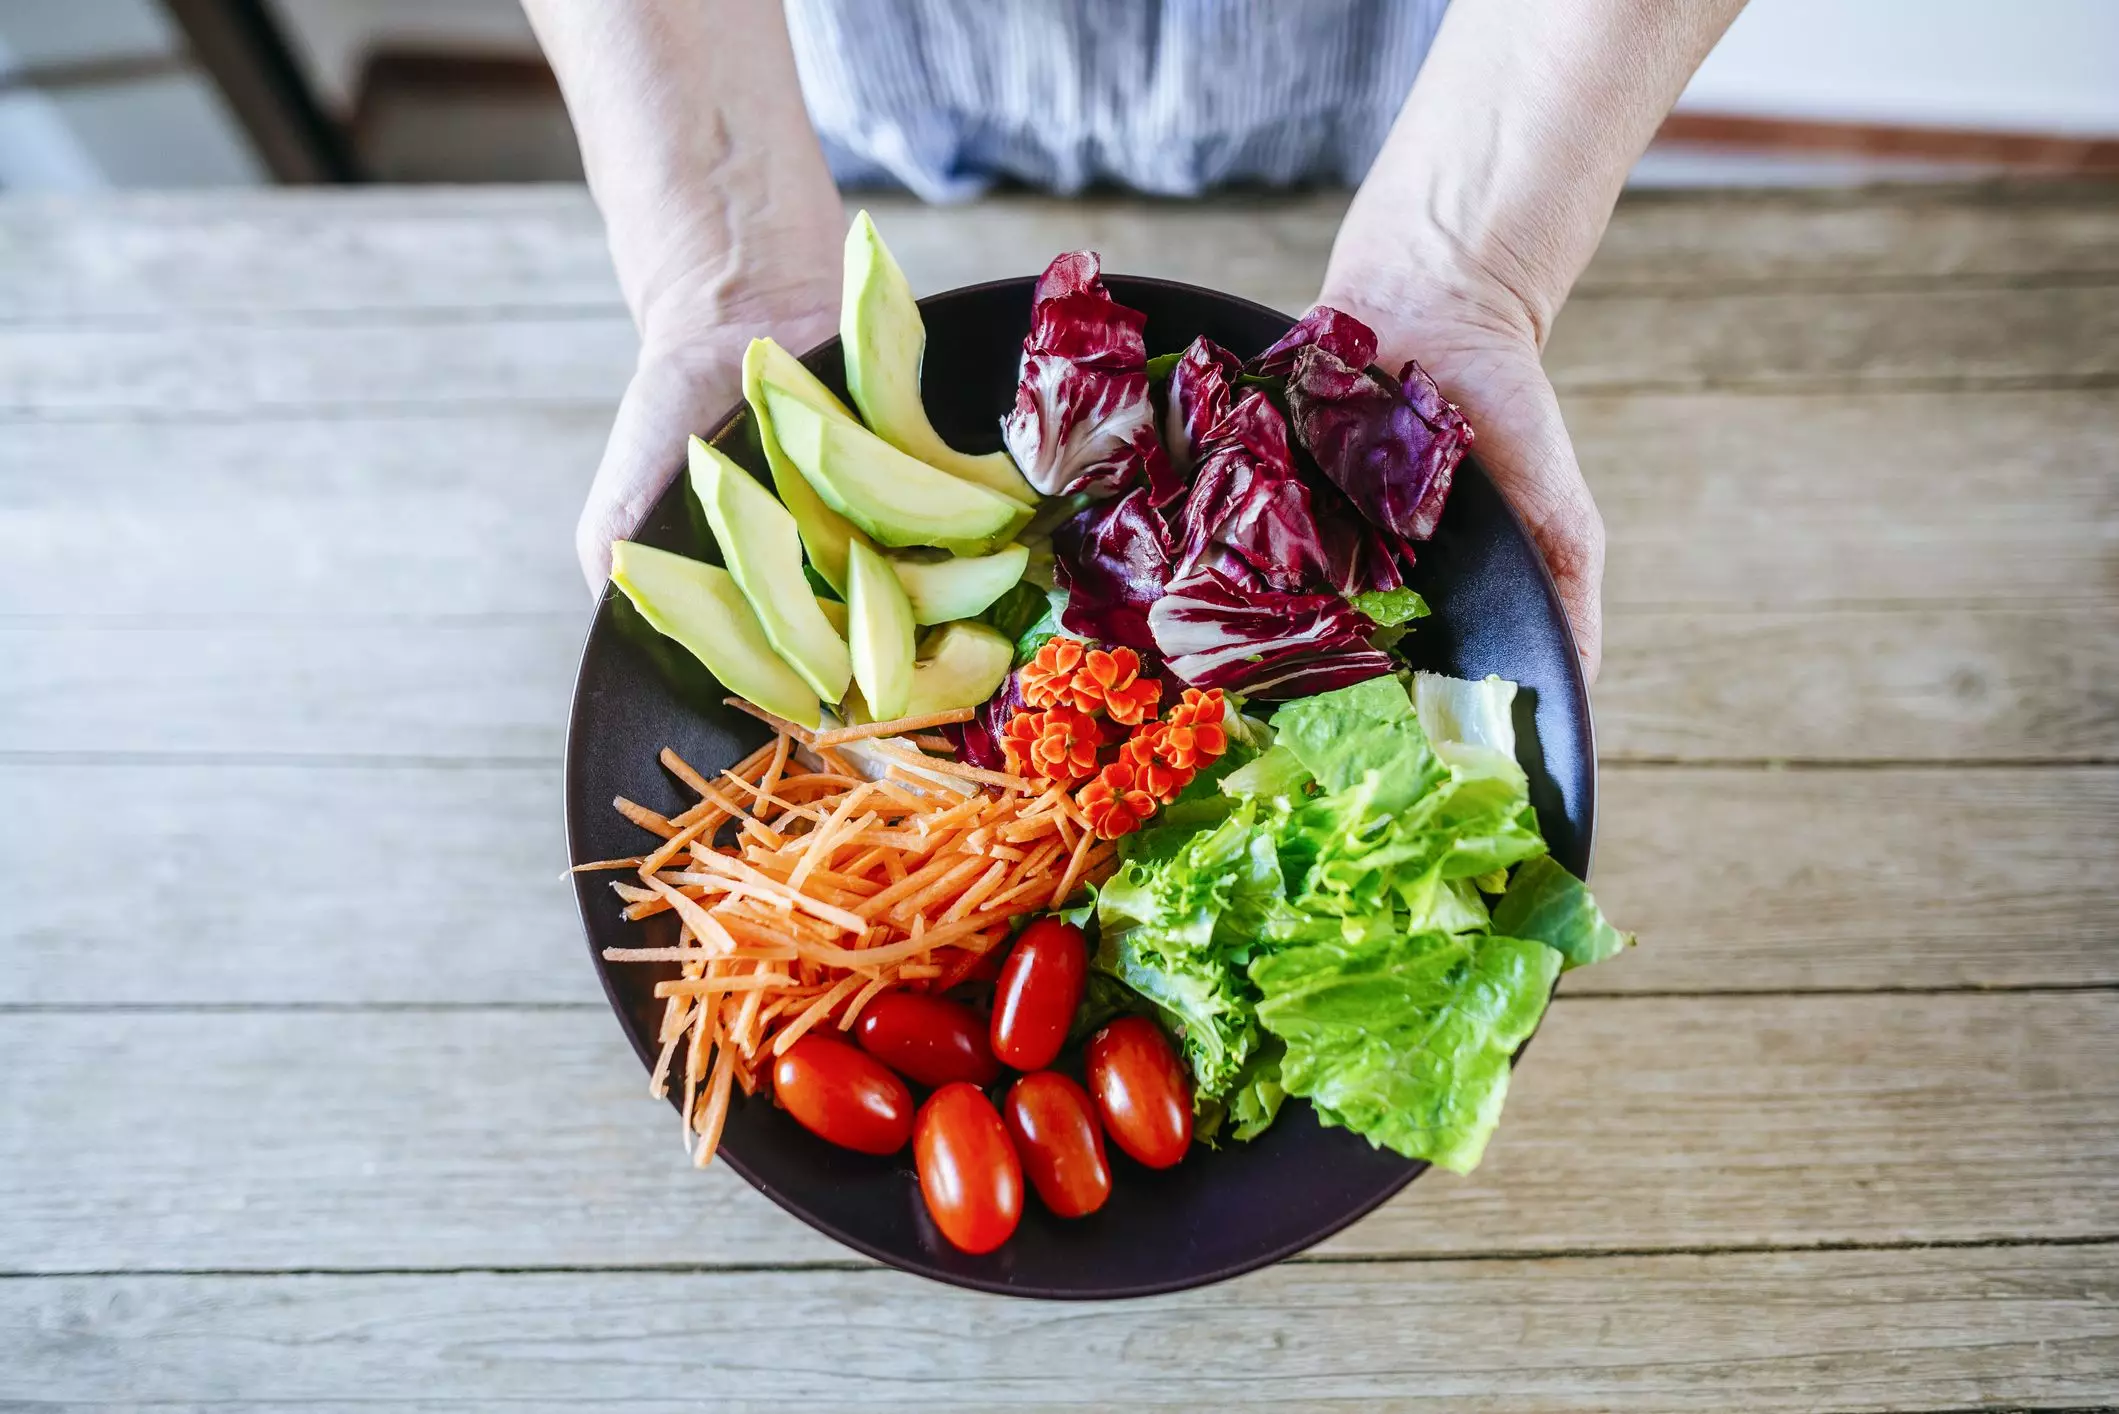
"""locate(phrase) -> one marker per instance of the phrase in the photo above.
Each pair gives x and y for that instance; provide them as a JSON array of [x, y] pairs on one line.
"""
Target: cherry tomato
[[844, 1095], [927, 1040], [969, 1174], [1141, 1091], [1041, 985], [1055, 1130]]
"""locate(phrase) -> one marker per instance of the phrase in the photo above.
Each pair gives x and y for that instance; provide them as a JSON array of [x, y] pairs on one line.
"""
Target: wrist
[[1426, 297]]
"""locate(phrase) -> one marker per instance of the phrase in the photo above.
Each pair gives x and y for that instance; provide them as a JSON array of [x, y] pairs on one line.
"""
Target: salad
[[1098, 783]]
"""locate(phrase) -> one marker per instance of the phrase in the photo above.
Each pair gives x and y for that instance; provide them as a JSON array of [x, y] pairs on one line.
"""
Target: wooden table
[[308, 1099]]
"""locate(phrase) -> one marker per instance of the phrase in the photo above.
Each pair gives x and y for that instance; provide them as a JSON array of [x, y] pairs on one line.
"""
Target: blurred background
[[184, 93]]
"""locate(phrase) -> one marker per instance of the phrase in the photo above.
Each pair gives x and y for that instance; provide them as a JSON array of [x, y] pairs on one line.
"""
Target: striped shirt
[[1171, 97]]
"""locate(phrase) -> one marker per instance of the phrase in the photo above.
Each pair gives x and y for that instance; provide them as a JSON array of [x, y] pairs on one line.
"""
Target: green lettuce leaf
[[1547, 903], [1388, 608], [1341, 737], [1177, 923], [1467, 712], [1407, 1040]]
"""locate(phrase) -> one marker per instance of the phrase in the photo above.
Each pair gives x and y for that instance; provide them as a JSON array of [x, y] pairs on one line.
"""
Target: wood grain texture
[[181, 257], [1741, 880], [441, 1139], [1719, 501], [1775, 340], [1950, 684], [1853, 1331], [435, 882], [1678, 685], [293, 882]]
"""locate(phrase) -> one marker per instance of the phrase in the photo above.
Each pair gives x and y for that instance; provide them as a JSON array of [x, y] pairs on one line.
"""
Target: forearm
[[699, 154], [1504, 165]]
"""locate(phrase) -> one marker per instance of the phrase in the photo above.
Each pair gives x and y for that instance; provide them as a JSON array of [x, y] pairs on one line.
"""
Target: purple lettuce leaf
[[1391, 447], [1198, 399], [1083, 420], [1339, 334], [978, 741], [1113, 559], [1248, 500], [1217, 631]]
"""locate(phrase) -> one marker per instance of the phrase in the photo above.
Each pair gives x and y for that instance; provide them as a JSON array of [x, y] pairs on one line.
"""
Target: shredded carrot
[[898, 727], [834, 890]]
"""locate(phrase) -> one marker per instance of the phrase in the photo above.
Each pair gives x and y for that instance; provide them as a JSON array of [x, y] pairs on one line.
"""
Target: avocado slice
[[700, 606], [824, 531], [763, 551], [960, 665], [896, 499], [885, 339], [879, 617], [960, 586]]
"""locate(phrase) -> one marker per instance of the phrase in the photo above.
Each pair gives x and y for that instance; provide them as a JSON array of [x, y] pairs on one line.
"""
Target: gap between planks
[[863, 1264]]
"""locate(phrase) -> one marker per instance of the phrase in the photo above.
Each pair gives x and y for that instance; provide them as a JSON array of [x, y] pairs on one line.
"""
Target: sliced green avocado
[[700, 606], [885, 339], [879, 619], [960, 665], [824, 531], [958, 587], [894, 498], [763, 551]]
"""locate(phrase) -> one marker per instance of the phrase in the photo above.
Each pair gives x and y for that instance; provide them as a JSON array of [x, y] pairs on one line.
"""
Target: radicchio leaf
[[978, 741], [1083, 420], [1199, 398], [1247, 499], [1337, 333], [1113, 559], [1216, 632], [1391, 447]]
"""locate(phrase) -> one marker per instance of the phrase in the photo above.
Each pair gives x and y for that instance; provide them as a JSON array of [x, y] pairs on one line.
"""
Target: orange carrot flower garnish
[[1114, 802], [1143, 752], [1048, 678], [1110, 680], [1193, 735], [1059, 744]]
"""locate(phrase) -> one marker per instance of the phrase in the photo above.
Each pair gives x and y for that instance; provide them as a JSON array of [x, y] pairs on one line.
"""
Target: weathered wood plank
[[1742, 880], [1788, 502], [1769, 503], [1854, 1331], [480, 688], [1820, 685], [1772, 340], [1817, 685], [293, 882], [174, 257], [392, 515], [440, 1139], [247, 882]]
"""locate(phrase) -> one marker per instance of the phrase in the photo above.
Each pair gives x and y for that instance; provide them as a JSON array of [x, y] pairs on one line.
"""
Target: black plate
[[1219, 1213]]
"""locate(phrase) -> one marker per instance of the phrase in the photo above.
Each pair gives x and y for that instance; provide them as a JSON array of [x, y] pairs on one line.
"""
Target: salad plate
[[1223, 1211]]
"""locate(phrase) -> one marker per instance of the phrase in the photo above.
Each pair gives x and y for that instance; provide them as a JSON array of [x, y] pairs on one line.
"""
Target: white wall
[[2035, 66]]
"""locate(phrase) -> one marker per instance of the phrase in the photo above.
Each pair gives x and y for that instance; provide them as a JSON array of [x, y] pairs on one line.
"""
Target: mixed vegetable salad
[[1096, 756]]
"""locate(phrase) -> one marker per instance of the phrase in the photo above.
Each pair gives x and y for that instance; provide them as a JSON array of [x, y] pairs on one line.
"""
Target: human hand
[[689, 374], [1480, 343]]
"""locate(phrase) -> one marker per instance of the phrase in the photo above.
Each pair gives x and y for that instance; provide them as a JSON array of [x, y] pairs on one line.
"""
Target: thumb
[[669, 398]]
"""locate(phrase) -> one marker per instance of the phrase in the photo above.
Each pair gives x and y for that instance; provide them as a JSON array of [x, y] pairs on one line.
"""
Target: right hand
[[689, 375]]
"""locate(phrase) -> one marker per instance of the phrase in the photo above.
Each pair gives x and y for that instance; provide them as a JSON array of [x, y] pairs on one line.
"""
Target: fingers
[[1533, 461], [668, 400], [1522, 441]]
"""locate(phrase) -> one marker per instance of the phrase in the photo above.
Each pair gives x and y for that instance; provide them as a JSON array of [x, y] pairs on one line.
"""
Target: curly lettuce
[[1327, 932]]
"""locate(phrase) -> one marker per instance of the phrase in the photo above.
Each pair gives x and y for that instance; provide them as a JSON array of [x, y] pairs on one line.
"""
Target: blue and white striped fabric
[[946, 97]]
